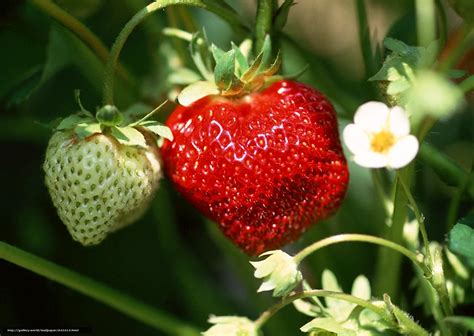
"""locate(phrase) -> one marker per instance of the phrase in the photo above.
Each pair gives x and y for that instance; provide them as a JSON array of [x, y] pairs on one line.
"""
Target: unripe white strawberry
[[102, 174], [97, 184]]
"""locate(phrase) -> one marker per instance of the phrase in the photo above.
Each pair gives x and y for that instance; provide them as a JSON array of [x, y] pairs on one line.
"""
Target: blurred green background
[[173, 259]]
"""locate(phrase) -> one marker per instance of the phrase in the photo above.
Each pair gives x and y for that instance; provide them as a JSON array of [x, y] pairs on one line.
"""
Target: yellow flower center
[[382, 141]]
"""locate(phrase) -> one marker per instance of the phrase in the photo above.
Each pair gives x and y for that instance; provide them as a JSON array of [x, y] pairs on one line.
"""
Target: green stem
[[448, 170], [263, 22], [419, 217], [425, 22], [467, 84], [438, 282], [364, 39], [224, 13], [387, 272], [456, 200], [378, 185], [96, 290], [354, 237], [81, 31], [443, 22], [410, 325]]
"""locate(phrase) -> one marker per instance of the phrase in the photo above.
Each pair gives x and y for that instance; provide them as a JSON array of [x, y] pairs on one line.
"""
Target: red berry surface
[[264, 167]]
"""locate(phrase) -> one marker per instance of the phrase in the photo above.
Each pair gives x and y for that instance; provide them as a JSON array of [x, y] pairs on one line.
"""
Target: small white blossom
[[231, 326], [279, 272], [380, 137]]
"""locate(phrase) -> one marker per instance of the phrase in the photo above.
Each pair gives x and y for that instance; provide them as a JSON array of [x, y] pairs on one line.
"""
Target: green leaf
[[85, 130], [196, 91], [399, 47], [128, 136], [158, 128], [461, 239], [224, 72], [57, 58], [456, 74], [72, 121], [327, 324], [464, 322]]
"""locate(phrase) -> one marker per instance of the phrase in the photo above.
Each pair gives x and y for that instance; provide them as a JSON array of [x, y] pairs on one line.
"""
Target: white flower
[[231, 326], [380, 137], [279, 272]]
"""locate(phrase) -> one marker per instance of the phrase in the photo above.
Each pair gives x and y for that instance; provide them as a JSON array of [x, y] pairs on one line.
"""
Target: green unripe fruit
[[99, 185]]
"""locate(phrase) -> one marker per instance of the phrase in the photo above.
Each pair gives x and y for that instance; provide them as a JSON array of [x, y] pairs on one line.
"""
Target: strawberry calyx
[[232, 73], [110, 121]]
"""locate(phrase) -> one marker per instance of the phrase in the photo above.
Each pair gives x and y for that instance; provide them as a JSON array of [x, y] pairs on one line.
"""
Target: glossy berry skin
[[264, 167]]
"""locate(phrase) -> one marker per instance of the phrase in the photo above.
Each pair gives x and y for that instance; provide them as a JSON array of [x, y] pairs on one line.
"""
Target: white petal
[[399, 124], [371, 159], [356, 139], [266, 286], [372, 117], [403, 152]]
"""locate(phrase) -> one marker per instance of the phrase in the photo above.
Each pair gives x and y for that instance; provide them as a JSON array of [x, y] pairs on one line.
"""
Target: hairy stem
[[96, 290], [263, 22], [354, 237], [410, 326], [81, 31], [419, 217]]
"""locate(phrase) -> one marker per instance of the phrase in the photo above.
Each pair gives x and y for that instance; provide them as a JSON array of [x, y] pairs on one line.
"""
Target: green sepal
[[242, 63], [281, 16], [128, 136], [157, 128], [224, 72], [72, 121], [217, 53], [200, 54], [266, 53], [196, 91], [77, 97], [251, 72], [85, 130], [274, 67]]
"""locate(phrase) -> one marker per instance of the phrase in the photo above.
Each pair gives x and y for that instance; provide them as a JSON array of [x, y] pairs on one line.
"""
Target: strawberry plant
[[231, 157]]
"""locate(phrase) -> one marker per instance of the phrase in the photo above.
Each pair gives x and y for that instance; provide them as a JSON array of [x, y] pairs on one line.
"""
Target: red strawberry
[[264, 166]]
